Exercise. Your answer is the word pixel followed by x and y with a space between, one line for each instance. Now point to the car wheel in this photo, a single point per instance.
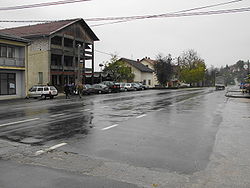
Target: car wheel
pixel 99 92
pixel 51 96
pixel 43 97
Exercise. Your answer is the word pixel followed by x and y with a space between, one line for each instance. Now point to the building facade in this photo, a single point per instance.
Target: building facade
pixel 58 51
pixel 13 61
pixel 143 74
pixel 150 64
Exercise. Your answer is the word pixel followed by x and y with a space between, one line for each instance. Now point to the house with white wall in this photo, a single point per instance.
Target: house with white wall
pixel 150 64
pixel 142 73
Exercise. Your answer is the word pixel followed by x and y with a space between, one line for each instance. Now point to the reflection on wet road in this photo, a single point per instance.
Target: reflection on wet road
pixel 168 129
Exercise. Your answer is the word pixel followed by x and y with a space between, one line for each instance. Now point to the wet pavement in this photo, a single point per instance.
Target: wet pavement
pixel 30 176
pixel 176 134
pixel 148 132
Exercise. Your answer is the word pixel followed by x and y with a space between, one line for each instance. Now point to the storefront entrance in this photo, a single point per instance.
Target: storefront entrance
pixel 7 84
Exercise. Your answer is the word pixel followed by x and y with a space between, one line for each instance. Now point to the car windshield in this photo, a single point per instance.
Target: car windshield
pixel 32 89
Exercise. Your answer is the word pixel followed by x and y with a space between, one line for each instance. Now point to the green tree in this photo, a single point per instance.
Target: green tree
pixel 118 70
pixel 163 69
pixel 192 67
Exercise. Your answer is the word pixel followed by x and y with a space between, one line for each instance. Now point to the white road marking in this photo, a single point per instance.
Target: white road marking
pixel 143 115
pixel 17 122
pixel 85 110
pixel 50 149
pixel 57 146
pixel 56 115
pixel 112 126
pixel 159 110
pixel 105 106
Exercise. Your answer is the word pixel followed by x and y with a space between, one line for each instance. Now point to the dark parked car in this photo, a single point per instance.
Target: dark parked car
pixel 137 86
pixel 113 87
pixel 100 88
pixel 88 89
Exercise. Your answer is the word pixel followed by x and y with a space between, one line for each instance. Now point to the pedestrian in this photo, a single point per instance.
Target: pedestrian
pixel 71 88
pixel 67 91
pixel 79 89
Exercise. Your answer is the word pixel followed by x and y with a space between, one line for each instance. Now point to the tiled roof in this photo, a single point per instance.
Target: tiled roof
pixel 149 60
pixel 46 29
pixel 137 65
pixel 13 38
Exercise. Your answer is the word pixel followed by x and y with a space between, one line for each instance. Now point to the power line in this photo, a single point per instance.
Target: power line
pixel 157 15
pixel 131 18
pixel 106 53
pixel 41 4
pixel 171 15
pixel 182 13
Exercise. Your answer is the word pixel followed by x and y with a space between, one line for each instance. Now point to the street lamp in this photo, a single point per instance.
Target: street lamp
pixel 101 65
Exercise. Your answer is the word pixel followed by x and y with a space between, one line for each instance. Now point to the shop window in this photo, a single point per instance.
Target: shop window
pixel 7 84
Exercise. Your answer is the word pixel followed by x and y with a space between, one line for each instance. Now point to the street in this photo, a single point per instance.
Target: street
pixel 154 138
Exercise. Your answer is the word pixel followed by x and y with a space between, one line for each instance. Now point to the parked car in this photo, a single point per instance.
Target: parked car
pixel 87 89
pixel 113 87
pixel 129 87
pixel 42 92
pixel 100 88
pixel 138 86
pixel 122 86
pixel 143 86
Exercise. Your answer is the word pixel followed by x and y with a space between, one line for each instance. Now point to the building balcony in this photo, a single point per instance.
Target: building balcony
pixel 12 62
pixel 56 46
pixel 69 68
pixel 56 67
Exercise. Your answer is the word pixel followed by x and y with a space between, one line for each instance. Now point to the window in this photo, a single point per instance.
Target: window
pixel 11 52
pixel 149 82
pixel 7 84
pixel 3 51
pixel 40 77
pixel 32 89
pixel 46 89
pixel 40 89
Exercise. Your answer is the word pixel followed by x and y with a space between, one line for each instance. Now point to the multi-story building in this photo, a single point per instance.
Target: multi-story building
pixel 58 51
pixel 13 61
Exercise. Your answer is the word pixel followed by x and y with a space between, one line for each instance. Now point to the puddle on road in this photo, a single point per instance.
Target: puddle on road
pixel 57 130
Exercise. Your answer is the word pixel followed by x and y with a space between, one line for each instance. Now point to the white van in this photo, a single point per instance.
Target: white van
pixel 42 92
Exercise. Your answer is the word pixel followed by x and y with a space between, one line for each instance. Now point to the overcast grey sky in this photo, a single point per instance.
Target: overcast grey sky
pixel 218 39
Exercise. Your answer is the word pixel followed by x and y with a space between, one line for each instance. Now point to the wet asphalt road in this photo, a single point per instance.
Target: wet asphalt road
pixel 31 176
pixel 171 130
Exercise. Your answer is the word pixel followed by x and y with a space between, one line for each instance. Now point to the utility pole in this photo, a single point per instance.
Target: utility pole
pixel 248 72
pixel 79 75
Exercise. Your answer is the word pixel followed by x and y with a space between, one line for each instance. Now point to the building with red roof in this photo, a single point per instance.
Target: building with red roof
pixel 58 51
